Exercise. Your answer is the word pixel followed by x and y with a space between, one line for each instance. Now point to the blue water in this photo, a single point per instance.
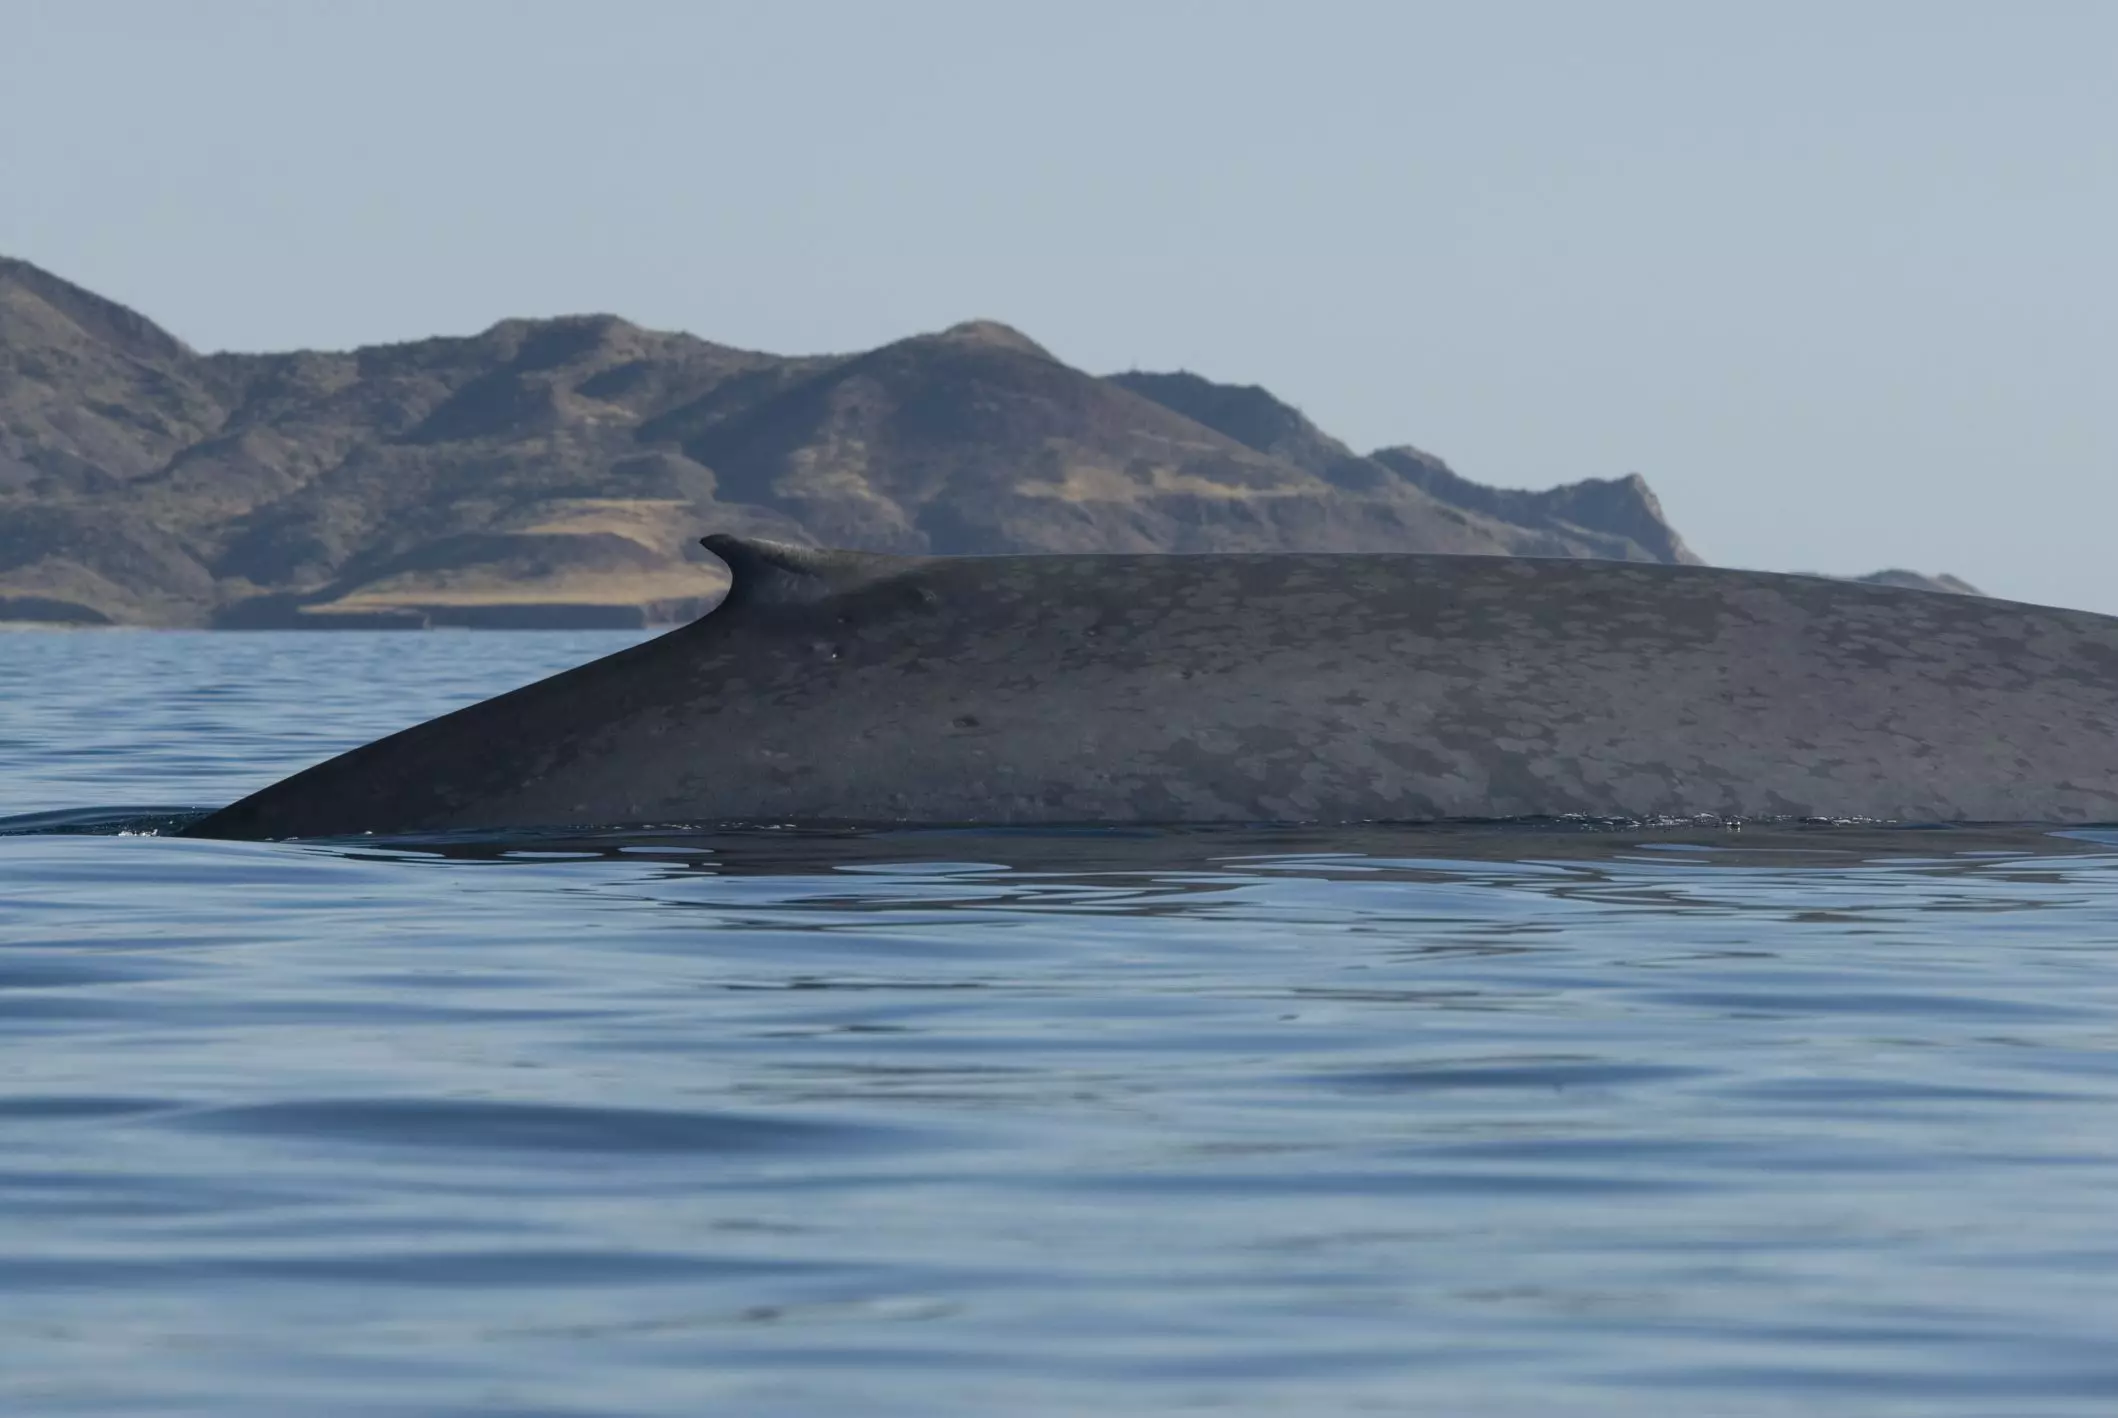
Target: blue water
pixel 1463 1122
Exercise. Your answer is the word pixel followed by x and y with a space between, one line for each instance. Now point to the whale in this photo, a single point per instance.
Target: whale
pixel 844 687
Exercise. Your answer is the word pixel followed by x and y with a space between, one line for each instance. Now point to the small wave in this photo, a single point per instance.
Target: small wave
pixel 545 1128
pixel 102 821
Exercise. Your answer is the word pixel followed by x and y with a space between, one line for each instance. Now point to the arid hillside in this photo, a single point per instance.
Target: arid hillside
pixel 560 472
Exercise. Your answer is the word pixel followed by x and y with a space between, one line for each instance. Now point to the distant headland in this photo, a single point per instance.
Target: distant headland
pixel 558 473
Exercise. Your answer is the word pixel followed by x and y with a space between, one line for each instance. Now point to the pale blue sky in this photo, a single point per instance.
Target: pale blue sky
pixel 1837 278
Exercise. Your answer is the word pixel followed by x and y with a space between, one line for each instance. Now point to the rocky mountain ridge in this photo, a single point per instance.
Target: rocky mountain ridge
pixel 561 471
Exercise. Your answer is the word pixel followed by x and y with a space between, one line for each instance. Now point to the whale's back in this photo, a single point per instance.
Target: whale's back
pixel 835 687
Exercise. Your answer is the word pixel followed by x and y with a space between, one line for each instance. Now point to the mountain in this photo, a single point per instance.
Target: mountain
pixel 1617 520
pixel 560 471
pixel 1920 581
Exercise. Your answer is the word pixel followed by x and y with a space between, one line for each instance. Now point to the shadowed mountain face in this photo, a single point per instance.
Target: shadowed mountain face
pixel 561 471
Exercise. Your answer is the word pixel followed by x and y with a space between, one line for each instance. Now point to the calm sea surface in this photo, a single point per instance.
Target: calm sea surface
pixel 1457 1122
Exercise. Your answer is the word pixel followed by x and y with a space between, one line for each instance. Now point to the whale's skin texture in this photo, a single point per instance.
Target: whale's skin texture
pixel 837 687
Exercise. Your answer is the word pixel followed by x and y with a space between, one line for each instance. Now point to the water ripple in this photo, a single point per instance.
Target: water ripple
pixel 1483 1120
pixel 541 1128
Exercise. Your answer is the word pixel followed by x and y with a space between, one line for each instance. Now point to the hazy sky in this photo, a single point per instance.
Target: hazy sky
pixel 1837 278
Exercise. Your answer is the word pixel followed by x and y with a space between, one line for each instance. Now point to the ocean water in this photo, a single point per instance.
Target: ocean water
pixel 1470 1121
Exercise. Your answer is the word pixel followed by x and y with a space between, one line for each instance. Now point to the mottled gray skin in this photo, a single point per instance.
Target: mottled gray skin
pixel 839 687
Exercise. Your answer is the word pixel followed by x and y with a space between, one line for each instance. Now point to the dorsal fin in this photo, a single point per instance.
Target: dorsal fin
pixel 763 573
